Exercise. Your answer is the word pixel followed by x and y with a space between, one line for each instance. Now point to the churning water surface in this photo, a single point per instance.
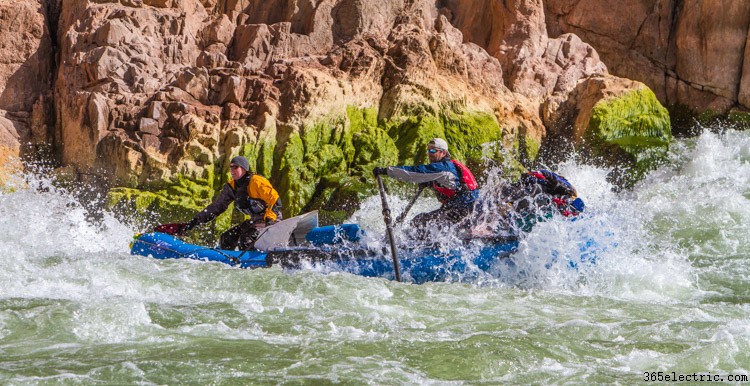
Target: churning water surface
pixel 669 295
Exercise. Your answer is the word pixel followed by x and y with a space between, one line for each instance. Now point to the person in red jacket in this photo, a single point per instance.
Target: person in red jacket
pixel 252 195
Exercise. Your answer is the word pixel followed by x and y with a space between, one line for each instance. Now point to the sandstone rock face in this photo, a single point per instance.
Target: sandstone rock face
pixel 533 64
pixel 160 94
pixel 692 52
pixel 152 94
pixel 543 69
pixel 26 60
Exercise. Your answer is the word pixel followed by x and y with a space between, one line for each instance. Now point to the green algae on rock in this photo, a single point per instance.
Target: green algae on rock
pixel 178 201
pixel 331 148
pixel 633 128
pixel 324 165
pixel 633 120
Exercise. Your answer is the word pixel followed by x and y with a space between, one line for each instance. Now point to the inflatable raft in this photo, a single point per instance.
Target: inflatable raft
pixel 299 243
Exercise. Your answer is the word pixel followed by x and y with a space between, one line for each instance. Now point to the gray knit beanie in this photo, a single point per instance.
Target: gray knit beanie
pixel 241 162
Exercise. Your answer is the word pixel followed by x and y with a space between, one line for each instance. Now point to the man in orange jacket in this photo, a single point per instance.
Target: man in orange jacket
pixel 252 195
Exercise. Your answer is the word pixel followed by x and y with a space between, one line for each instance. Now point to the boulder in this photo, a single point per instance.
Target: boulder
pixel 620 124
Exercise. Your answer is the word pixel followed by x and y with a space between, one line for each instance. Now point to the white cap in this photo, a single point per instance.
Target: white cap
pixel 438 143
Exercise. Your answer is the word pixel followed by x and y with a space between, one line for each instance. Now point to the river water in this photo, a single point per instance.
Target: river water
pixel 669 293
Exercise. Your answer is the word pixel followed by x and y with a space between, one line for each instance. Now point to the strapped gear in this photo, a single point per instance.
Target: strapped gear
pixel 563 194
pixel 551 183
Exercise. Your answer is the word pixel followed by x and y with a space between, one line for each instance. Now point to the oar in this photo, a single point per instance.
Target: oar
pixel 402 216
pixel 389 228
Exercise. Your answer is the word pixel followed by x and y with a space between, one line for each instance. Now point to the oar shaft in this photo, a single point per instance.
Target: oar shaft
pixel 389 228
pixel 403 214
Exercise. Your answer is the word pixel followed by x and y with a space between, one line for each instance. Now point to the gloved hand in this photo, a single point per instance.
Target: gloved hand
pixel 379 171
pixel 175 229
pixel 184 227
pixel 170 229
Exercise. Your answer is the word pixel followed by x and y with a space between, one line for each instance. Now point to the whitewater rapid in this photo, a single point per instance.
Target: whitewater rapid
pixel 669 292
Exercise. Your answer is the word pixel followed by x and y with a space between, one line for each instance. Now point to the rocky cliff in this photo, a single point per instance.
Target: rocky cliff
pixel 156 96
pixel 692 53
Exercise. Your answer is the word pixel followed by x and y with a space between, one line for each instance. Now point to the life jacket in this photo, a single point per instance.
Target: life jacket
pixel 467 182
pixel 254 199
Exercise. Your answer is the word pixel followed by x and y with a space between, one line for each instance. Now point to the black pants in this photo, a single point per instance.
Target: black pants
pixel 445 216
pixel 242 235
